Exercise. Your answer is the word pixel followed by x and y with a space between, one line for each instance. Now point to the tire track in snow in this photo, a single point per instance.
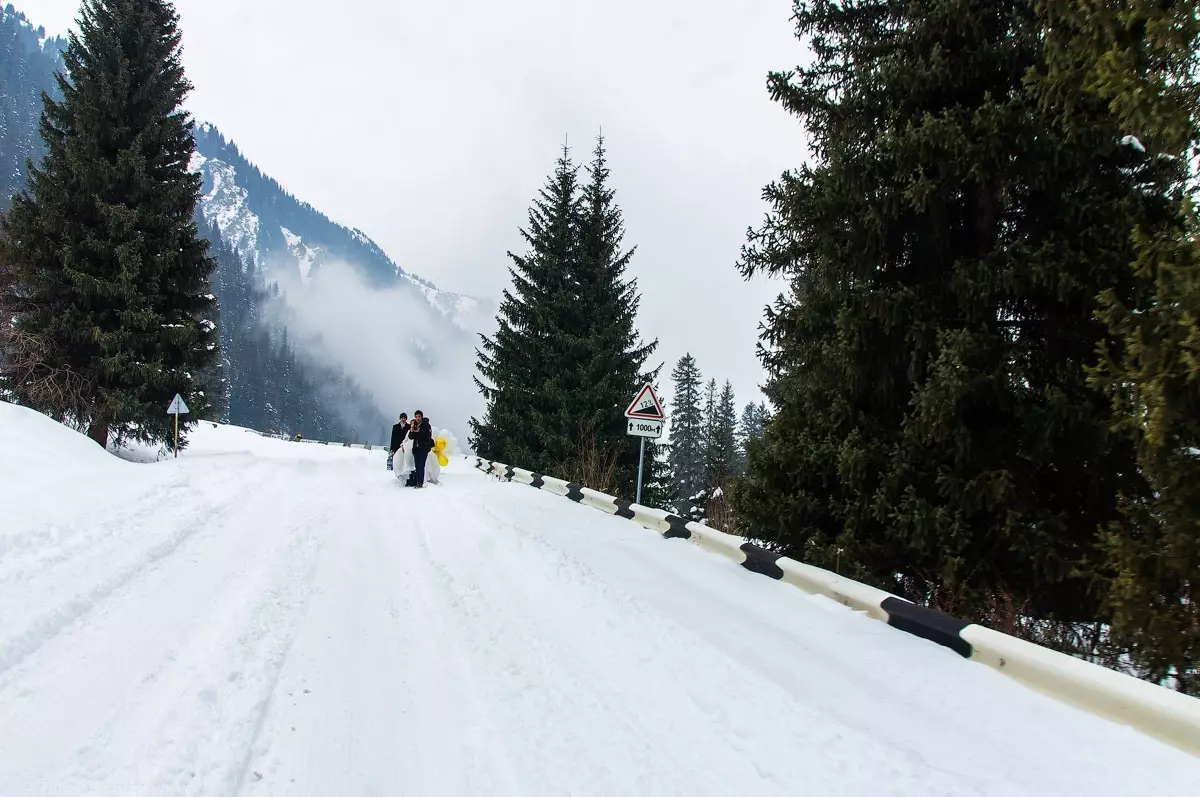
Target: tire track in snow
pixel 392 709
pixel 18 645
pixel 429 577
pixel 236 778
pixel 60 532
pixel 208 632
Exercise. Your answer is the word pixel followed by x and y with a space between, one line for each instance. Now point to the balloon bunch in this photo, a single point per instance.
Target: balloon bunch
pixel 439 450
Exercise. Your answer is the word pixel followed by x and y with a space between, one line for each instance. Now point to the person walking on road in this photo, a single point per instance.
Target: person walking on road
pixel 399 432
pixel 421 433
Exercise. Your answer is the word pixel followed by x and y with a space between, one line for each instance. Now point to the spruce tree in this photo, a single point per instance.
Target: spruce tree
pixel 723 460
pixel 945 249
pixel 720 435
pixel 711 421
pixel 111 270
pixel 686 458
pixel 605 345
pixel 657 491
pixel 750 427
pixel 1140 58
pixel 566 359
pixel 522 367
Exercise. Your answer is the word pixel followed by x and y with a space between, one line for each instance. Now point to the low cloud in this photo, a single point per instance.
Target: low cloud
pixel 389 341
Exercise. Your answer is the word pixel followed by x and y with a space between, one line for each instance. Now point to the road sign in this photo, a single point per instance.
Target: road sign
pixel 646 419
pixel 177 408
pixel 640 428
pixel 646 405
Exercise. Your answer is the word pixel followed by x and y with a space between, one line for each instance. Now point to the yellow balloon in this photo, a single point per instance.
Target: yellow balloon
pixel 443 460
pixel 439 444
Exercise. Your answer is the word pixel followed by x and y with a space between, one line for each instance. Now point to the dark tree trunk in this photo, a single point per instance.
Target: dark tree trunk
pixel 99 433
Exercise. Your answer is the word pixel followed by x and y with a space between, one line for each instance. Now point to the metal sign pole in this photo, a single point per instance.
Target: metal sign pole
pixel 641 459
pixel 177 435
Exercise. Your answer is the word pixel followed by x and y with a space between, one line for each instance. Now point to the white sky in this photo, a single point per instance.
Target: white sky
pixel 431 126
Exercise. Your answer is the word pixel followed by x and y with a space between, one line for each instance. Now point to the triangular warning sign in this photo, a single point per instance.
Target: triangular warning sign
pixel 178 407
pixel 646 405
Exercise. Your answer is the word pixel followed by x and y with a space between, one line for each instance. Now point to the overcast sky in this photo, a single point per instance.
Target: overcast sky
pixel 431 125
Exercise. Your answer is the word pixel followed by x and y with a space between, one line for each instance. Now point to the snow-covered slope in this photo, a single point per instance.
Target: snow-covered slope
pixel 306 257
pixel 466 312
pixel 224 204
pixel 275 618
pixel 283 237
pixel 28 62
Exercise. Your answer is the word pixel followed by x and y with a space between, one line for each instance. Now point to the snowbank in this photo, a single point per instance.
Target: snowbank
pixel 37 449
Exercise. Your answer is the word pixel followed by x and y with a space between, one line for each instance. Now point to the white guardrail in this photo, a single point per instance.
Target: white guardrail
pixel 1170 716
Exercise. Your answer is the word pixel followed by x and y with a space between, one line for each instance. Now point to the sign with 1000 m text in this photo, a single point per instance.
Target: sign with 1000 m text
pixel 644 417
pixel 640 428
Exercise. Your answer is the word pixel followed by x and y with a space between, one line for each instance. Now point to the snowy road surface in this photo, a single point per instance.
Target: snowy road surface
pixel 269 618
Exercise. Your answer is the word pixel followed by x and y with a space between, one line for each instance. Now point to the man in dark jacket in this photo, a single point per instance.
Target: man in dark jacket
pixel 421 433
pixel 399 432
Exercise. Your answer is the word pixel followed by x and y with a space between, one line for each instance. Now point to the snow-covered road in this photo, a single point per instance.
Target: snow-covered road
pixel 269 618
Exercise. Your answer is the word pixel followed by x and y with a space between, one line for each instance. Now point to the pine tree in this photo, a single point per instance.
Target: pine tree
pixel 723 462
pixel 565 360
pixel 521 366
pixel 720 428
pixel 114 276
pixel 945 250
pixel 211 401
pixel 1140 59
pixel 750 427
pixel 657 490
pixel 603 328
pixel 711 421
pixel 718 449
pixel 686 458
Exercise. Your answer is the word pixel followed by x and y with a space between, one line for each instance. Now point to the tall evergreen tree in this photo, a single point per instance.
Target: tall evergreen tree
pixel 750 427
pixel 722 424
pixel 566 359
pixel 945 250
pixel 211 400
pixel 711 419
pixel 603 333
pixel 719 453
pixel 110 267
pixel 686 458
pixel 720 431
pixel 1142 59
pixel 521 366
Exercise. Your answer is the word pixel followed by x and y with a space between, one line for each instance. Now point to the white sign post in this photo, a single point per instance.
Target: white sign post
pixel 177 408
pixel 646 419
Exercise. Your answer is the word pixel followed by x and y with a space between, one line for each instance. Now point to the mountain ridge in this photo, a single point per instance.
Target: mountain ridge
pixel 266 223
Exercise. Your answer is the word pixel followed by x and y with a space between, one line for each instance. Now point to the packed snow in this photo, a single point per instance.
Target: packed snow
pixel 263 617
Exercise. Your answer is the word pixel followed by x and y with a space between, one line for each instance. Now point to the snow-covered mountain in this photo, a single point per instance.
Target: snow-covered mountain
pixel 284 237
pixel 29 60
